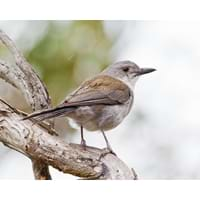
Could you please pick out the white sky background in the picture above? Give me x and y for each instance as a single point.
(166, 144)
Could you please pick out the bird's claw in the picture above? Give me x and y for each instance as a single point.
(106, 151)
(83, 144)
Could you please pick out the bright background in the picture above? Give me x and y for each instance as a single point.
(160, 137)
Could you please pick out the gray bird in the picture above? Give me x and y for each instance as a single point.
(100, 103)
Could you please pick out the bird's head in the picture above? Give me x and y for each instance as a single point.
(127, 71)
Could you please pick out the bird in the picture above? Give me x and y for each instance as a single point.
(100, 103)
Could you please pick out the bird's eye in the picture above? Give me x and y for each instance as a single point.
(126, 69)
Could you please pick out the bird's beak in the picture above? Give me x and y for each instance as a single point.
(142, 71)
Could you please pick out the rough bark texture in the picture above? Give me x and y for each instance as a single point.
(26, 80)
(34, 140)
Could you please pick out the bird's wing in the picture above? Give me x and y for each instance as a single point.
(99, 90)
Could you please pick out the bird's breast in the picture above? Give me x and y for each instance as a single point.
(112, 116)
(101, 117)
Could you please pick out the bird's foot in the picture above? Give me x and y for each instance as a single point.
(106, 151)
(83, 144)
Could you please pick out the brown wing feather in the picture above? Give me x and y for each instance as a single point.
(100, 90)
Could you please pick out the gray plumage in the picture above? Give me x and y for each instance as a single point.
(102, 102)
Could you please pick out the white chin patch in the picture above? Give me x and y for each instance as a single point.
(130, 82)
(134, 80)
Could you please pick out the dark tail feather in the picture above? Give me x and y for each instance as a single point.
(49, 113)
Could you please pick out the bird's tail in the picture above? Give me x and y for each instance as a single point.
(49, 113)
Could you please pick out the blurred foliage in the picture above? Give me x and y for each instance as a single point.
(68, 53)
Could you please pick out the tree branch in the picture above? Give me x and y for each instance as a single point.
(26, 80)
(6, 74)
(35, 142)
